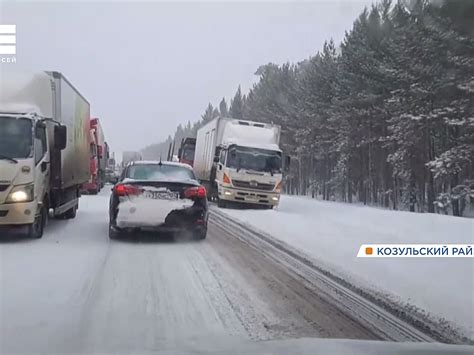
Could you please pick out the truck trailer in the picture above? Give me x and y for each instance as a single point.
(44, 149)
(99, 155)
(92, 186)
(240, 161)
(102, 151)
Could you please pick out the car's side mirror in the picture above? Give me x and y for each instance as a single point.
(60, 137)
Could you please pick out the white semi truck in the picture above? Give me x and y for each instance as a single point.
(44, 149)
(240, 161)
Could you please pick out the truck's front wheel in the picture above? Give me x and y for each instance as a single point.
(37, 228)
(221, 203)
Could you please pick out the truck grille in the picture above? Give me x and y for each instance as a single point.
(254, 185)
(260, 198)
(3, 187)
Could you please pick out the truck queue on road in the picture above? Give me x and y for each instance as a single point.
(51, 151)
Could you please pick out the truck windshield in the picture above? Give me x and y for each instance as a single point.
(188, 153)
(16, 137)
(254, 159)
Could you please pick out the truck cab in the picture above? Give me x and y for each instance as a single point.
(248, 174)
(25, 167)
(240, 161)
(44, 152)
(186, 151)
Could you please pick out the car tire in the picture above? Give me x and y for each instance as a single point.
(36, 229)
(114, 233)
(200, 234)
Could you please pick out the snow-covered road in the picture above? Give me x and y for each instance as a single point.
(76, 291)
(430, 290)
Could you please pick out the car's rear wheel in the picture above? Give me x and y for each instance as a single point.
(114, 232)
(200, 234)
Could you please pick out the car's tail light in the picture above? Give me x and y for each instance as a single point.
(278, 187)
(126, 190)
(193, 192)
(226, 179)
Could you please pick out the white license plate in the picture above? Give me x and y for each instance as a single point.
(161, 195)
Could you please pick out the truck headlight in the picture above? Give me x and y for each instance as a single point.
(22, 193)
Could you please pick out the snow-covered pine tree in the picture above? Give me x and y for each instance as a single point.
(223, 110)
(237, 105)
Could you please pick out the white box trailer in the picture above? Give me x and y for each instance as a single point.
(240, 161)
(72, 110)
(44, 148)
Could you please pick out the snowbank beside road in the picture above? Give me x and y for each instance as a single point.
(331, 234)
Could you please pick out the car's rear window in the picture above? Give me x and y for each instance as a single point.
(159, 172)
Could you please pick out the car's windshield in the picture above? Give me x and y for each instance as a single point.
(16, 137)
(254, 159)
(159, 172)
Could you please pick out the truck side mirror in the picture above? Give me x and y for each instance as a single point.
(216, 159)
(179, 153)
(60, 137)
(287, 163)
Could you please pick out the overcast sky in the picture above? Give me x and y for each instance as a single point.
(147, 66)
